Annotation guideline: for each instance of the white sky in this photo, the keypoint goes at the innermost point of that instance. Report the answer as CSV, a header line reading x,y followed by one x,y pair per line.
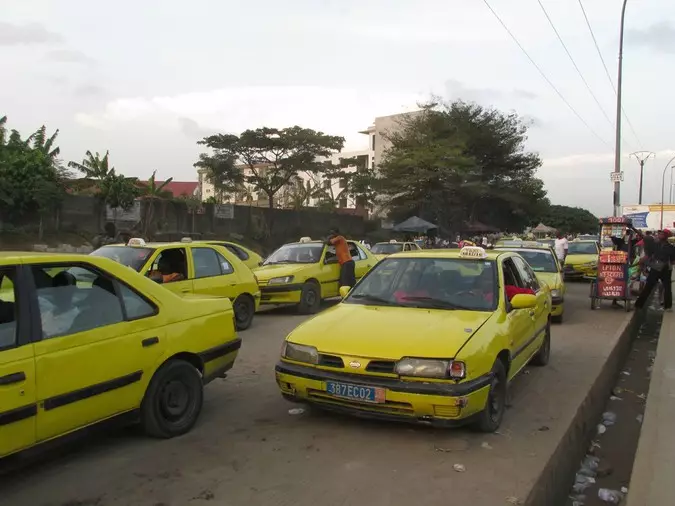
x,y
147,79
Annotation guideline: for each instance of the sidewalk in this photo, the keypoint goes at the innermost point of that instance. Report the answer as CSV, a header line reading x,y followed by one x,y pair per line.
x,y
652,482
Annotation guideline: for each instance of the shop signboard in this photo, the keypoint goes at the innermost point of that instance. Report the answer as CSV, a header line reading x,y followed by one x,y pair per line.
x,y
611,280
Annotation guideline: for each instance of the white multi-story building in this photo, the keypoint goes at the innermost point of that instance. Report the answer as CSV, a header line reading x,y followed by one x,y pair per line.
x,y
377,134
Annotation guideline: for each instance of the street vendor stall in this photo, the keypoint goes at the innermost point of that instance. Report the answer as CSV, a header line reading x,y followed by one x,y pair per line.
x,y
613,279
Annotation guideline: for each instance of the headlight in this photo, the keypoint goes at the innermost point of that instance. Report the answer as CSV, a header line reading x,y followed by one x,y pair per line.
x,y
555,293
280,281
430,368
300,353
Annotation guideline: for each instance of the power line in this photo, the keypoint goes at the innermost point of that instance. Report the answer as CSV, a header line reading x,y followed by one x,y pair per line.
x,y
604,65
544,75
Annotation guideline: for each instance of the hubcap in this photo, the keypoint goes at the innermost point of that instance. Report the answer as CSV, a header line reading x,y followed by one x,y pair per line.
x,y
175,399
242,312
310,297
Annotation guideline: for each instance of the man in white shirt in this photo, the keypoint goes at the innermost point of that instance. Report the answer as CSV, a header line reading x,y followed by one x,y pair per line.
x,y
561,247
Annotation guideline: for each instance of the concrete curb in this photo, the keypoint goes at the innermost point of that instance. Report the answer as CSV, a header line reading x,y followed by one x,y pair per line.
x,y
651,482
553,484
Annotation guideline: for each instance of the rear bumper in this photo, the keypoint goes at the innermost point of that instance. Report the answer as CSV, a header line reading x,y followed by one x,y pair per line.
x,y
217,361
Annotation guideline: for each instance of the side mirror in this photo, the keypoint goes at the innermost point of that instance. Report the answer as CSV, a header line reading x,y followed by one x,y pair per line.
x,y
523,301
157,278
344,291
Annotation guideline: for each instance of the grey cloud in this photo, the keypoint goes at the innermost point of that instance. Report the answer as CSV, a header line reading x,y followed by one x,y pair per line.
x,y
33,33
458,90
89,90
68,56
659,36
192,129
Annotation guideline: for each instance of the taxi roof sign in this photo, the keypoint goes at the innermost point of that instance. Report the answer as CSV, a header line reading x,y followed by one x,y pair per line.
x,y
393,241
136,241
186,239
305,239
474,252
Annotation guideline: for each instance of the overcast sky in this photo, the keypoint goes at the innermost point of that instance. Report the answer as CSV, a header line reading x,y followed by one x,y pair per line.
x,y
146,79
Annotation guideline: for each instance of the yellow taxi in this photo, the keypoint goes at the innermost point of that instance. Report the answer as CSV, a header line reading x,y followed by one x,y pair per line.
x,y
305,272
383,249
85,340
188,267
548,269
582,259
419,339
250,258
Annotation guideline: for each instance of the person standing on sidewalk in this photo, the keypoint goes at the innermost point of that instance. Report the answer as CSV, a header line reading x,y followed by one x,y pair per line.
x,y
660,264
344,258
561,246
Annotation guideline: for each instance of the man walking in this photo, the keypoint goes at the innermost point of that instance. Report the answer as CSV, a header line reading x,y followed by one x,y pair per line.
x,y
347,266
660,269
561,246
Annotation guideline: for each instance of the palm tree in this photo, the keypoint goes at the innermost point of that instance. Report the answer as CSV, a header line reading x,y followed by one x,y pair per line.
x,y
93,166
41,142
154,191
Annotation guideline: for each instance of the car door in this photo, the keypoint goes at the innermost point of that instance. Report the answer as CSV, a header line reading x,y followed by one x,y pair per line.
x,y
181,265
100,341
213,273
18,408
520,321
329,273
362,264
543,308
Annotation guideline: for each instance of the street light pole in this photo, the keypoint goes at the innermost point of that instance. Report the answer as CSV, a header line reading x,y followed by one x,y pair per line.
x,y
663,183
642,157
617,140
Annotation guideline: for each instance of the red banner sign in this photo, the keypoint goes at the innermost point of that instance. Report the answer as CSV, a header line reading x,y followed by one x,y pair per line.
x,y
613,257
611,280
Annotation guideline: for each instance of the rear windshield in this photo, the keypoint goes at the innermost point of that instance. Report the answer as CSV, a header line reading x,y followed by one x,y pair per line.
x,y
386,248
540,261
126,255
582,248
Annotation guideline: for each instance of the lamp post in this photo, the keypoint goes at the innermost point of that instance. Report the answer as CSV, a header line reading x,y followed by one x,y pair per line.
x,y
617,140
663,183
642,157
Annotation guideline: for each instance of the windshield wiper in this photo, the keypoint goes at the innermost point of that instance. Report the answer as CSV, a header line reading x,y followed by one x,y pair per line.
x,y
436,303
371,298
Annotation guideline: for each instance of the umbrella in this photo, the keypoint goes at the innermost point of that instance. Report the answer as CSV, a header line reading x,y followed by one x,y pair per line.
x,y
542,229
415,225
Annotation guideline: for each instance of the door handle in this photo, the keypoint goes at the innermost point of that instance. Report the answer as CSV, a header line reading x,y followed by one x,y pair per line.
x,y
185,291
532,314
150,341
10,379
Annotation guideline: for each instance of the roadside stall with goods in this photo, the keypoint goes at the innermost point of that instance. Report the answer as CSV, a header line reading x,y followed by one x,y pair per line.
x,y
615,265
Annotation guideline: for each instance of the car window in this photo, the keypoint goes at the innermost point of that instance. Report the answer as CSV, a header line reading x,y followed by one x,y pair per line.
x,y
131,256
354,251
297,253
135,305
526,274
444,283
206,263
511,274
387,248
362,253
8,310
75,299
241,254
406,247
225,265
582,248
171,263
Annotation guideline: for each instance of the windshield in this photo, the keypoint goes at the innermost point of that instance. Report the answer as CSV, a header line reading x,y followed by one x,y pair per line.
x,y
385,248
582,248
547,242
435,283
297,253
125,255
540,261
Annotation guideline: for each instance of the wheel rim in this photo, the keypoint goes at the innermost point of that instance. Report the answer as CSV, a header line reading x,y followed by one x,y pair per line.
x,y
310,297
242,312
175,400
495,399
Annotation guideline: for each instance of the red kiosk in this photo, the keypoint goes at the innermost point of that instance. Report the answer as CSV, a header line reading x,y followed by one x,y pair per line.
x,y
612,282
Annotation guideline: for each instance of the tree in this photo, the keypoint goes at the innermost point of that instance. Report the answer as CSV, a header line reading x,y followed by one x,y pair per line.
x,y
568,219
458,162
119,191
271,156
93,166
154,191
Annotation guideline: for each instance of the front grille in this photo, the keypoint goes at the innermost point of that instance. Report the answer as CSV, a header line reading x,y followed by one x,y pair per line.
x,y
331,361
381,366
263,282
388,407
447,411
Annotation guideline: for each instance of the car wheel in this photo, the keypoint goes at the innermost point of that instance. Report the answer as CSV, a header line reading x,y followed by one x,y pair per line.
x,y
244,309
544,353
173,400
491,417
310,298
557,318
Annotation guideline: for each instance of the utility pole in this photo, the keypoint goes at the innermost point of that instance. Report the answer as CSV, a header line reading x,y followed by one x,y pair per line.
x,y
642,157
617,141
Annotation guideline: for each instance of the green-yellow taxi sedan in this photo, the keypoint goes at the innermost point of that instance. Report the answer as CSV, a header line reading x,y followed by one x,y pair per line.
x,y
420,339
305,272
188,267
581,260
383,249
85,340
545,265
251,259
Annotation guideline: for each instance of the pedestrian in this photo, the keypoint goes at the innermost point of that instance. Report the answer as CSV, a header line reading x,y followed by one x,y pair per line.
x,y
660,264
347,266
561,245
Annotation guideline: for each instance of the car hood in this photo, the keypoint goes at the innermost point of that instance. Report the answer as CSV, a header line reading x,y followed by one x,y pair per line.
x,y
267,272
552,279
380,256
389,332
577,259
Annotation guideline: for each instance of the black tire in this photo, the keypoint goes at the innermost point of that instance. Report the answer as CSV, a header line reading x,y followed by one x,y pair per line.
x,y
542,357
310,298
173,400
244,309
491,417
557,318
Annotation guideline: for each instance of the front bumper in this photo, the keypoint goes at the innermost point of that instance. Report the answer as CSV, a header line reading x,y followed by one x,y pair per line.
x,y
557,306
578,272
439,403
280,294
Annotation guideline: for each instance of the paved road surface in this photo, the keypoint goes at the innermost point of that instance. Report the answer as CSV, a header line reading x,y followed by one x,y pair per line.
x,y
247,449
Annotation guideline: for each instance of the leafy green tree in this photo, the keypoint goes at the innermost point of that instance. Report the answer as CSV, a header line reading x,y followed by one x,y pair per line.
x,y
272,156
154,191
568,219
461,162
